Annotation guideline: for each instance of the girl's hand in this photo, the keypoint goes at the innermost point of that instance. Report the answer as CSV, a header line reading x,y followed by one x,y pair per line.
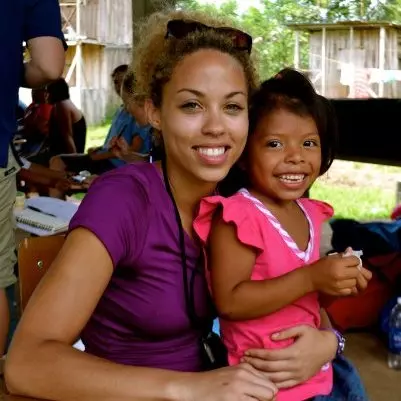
x,y
288,367
235,383
363,279
335,275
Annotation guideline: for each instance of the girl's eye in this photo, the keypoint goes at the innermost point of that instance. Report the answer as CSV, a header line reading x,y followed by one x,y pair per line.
x,y
311,143
274,144
190,106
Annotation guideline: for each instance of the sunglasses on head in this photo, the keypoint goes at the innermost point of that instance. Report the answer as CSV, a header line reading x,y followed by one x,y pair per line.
x,y
179,29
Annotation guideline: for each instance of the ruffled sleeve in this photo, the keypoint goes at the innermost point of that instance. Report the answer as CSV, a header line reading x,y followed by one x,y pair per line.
x,y
235,210
321,211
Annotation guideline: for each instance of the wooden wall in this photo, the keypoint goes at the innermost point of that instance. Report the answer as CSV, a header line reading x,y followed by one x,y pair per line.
x,y
105,21
365,56
98,99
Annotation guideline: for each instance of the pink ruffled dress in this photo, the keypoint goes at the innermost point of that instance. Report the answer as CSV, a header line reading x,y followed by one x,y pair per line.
x,y
277,254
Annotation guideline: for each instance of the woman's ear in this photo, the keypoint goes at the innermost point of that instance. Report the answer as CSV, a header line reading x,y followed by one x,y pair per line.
x,y
153,114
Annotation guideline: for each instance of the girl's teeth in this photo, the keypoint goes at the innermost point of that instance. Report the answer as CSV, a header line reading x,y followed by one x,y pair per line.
x,y
211,152
292,177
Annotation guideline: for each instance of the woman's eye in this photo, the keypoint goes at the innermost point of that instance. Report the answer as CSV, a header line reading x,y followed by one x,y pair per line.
x,y
190,106
234,108
274,144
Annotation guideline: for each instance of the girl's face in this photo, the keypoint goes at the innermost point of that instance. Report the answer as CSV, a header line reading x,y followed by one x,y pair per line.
x,y
204,116
283,155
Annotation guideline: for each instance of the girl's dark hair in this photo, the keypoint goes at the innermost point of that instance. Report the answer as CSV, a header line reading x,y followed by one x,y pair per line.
x,y
121,69
289,90
58,91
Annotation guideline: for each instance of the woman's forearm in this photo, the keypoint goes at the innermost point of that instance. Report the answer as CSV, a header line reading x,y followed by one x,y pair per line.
x,y
58,372
324,320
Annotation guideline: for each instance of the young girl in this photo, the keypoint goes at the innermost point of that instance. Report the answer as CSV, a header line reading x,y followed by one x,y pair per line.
x,y
263,242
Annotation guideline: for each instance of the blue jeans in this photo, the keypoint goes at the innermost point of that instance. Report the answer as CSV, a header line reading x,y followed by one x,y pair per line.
x,y
347,385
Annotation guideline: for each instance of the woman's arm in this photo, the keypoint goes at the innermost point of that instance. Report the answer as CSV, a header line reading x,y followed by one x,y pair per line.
x,y
237,297
64,124
42,362
54,318
290,366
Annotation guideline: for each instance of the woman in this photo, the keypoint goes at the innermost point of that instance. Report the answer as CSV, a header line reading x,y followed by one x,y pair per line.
x,y
121,269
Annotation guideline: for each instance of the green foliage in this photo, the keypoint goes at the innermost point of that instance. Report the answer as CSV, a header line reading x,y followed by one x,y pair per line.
x,y
359,203
274,41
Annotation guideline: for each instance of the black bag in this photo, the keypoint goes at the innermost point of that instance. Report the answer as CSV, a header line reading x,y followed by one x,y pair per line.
x,y
214,353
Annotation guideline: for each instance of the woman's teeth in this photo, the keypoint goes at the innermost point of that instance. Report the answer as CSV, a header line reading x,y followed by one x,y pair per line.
x,y
292,177
211,152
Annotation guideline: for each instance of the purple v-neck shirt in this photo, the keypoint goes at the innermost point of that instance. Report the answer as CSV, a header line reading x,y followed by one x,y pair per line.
x,y
141,318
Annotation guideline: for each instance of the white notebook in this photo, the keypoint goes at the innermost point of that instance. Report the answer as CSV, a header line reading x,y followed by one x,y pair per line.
x,y
55,217
40,221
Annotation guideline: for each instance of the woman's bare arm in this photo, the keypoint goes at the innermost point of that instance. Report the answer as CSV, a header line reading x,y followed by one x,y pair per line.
x,y
64,124
42,362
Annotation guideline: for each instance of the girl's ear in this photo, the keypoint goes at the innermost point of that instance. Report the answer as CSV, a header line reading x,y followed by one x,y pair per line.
x,y
153,114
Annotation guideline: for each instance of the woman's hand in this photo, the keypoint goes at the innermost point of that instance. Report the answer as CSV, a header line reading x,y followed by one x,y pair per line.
x,y
235,383
287,367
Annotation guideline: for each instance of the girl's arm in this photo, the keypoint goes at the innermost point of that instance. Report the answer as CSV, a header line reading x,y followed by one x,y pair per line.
x,y
237,297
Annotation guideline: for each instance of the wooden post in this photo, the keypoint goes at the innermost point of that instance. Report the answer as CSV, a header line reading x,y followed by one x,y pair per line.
x,y
352,62
78,55
382,58
323,63
296,51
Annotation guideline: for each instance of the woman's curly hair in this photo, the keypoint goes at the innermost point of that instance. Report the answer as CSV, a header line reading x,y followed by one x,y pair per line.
x,y
155,57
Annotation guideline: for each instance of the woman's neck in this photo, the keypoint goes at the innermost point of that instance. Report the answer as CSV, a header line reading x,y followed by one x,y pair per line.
x,y
187,191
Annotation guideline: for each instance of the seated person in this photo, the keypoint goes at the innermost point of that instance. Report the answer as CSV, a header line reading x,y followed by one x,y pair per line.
x,y
67,125
34,125
41,179
129,125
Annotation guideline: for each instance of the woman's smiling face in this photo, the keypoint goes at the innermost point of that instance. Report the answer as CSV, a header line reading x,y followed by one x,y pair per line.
x,y
204,115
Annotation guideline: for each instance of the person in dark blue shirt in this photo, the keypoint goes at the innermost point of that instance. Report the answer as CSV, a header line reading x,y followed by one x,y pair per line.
x,y
38,24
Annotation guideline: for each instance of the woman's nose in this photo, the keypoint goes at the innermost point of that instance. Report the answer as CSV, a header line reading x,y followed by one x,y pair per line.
x,y
213,123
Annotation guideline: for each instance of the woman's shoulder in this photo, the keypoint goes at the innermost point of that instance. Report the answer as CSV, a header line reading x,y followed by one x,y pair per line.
x,y
135,177
117,209
124,189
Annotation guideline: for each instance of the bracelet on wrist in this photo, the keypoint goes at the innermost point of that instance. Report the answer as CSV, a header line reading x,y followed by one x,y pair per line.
x,y
340,340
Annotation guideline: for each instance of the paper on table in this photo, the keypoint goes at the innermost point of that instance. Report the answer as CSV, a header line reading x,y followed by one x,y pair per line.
x,y
62,209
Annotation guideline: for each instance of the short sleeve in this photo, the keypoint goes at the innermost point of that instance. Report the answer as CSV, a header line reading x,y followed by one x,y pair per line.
x,y
42,19
235,210
323,209
116,210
